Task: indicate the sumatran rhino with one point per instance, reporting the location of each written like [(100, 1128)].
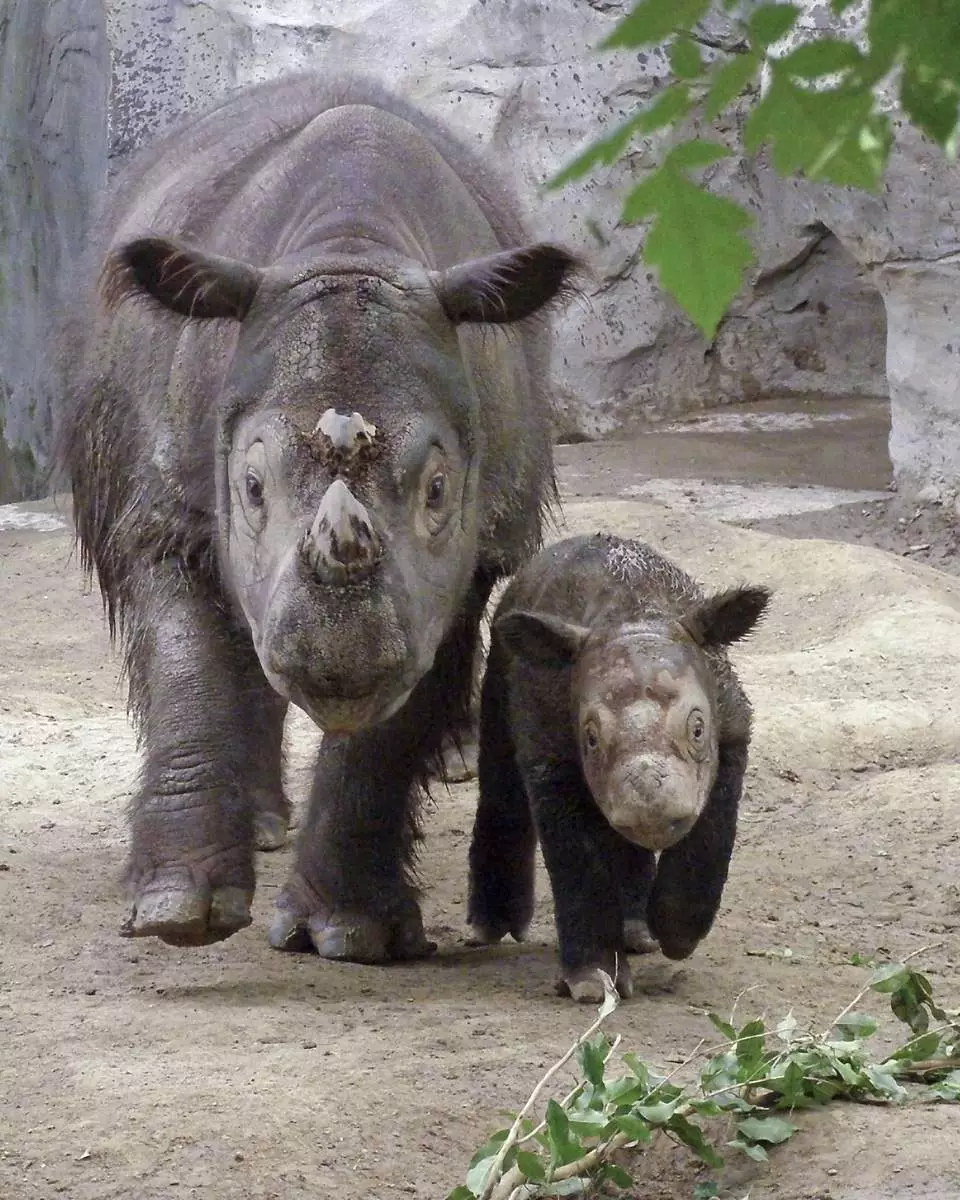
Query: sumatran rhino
[(613, 727), (301, 455)]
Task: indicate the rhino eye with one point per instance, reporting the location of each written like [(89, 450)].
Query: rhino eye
[(254, 488), (697, 733), (591, 737), (436, 490)]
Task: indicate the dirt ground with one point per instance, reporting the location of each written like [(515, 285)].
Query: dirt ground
[(132, 1069)]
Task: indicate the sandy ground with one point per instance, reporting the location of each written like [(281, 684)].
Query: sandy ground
[(131, 1069)]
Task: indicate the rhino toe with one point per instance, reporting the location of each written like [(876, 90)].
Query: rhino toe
[(183, 913)]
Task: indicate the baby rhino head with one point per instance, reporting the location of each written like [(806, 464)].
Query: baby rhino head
[(645, 707)]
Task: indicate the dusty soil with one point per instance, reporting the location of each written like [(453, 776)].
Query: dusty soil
[(131, 1069)]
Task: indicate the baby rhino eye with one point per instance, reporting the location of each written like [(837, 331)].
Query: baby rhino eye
[(591, 737)]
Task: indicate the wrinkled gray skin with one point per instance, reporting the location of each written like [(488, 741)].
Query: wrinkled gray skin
[(301, 455), (614, 729)]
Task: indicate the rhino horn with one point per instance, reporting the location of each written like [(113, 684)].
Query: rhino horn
[(341, 545)]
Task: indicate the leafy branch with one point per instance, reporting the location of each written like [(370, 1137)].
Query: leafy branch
[(820, 115), (743, 1084)]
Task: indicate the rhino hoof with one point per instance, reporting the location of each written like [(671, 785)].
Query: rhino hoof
[(189, 915), (270, 831), (586, 987), (349, 937), (637, 937)]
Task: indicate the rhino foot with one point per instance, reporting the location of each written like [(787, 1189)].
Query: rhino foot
[(349, 936), (584, 984), (637, 937), (175, 907), (480, 934)]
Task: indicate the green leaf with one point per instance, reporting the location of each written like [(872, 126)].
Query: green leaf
[(770, 22), (889, 977), (563, 1149), (750, 1149), (832, 135), (672, 103), (917, 1049), (591, 1063), (639, 1068), (695, 243), (477, 1175), (825, 56), (633, 1127), (461, 1193), (708, 1189), (854, 1025), (692, 1135), (689, 156), (722, 1026), (930, 102), (685, 60), (841, 6), (616, 1175), (658, 1114), (491, 1147), (751, 1045), (882, 1083), (766, 1129), (652, 21), (947, 1089), (530, 1166), (728, 82)]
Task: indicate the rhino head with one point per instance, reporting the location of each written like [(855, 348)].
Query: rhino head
[(350, 449)]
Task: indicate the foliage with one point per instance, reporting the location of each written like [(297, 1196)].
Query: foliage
[(747, 1087), (820, 115)]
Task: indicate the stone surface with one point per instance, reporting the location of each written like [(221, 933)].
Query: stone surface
[(53, 104)]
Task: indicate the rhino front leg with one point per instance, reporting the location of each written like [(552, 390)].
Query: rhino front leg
[(264, 709), (351, 894), (207, 737)]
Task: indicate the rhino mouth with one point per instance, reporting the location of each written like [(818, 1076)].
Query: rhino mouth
[(344, 715)]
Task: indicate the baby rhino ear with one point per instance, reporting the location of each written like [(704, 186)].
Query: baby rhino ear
[(726, 617), (541, 638)]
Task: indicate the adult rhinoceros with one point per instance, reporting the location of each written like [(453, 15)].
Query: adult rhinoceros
[(301, 455)]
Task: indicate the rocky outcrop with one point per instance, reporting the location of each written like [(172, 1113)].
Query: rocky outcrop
[(54, 67)]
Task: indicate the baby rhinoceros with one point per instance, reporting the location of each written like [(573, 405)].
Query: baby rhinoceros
[(614, 728)]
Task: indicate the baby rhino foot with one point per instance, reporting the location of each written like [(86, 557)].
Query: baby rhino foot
[(272, 820), (458, 764), (585, 985), (349, 936), (637, 936), (183, 910)]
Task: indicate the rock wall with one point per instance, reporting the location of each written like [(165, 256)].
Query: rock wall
[(54, 66)]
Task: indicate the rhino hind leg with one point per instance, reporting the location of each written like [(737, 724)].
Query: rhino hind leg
[(352, 894), (460, 750), (193, 680), (504, 841)]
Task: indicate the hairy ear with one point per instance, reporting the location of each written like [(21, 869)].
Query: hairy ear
[(506, 287), (726, 617), (541, 638), (183, 279)]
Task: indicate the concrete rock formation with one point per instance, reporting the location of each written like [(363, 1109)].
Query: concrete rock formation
[(835, 267), (54, 69)]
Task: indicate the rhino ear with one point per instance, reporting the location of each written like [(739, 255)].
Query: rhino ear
[(506, 287), (183, 279), (726, 617), (541, 638)]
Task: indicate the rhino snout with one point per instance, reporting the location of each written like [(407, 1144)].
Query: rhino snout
[(654, 805), (341, 545)]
